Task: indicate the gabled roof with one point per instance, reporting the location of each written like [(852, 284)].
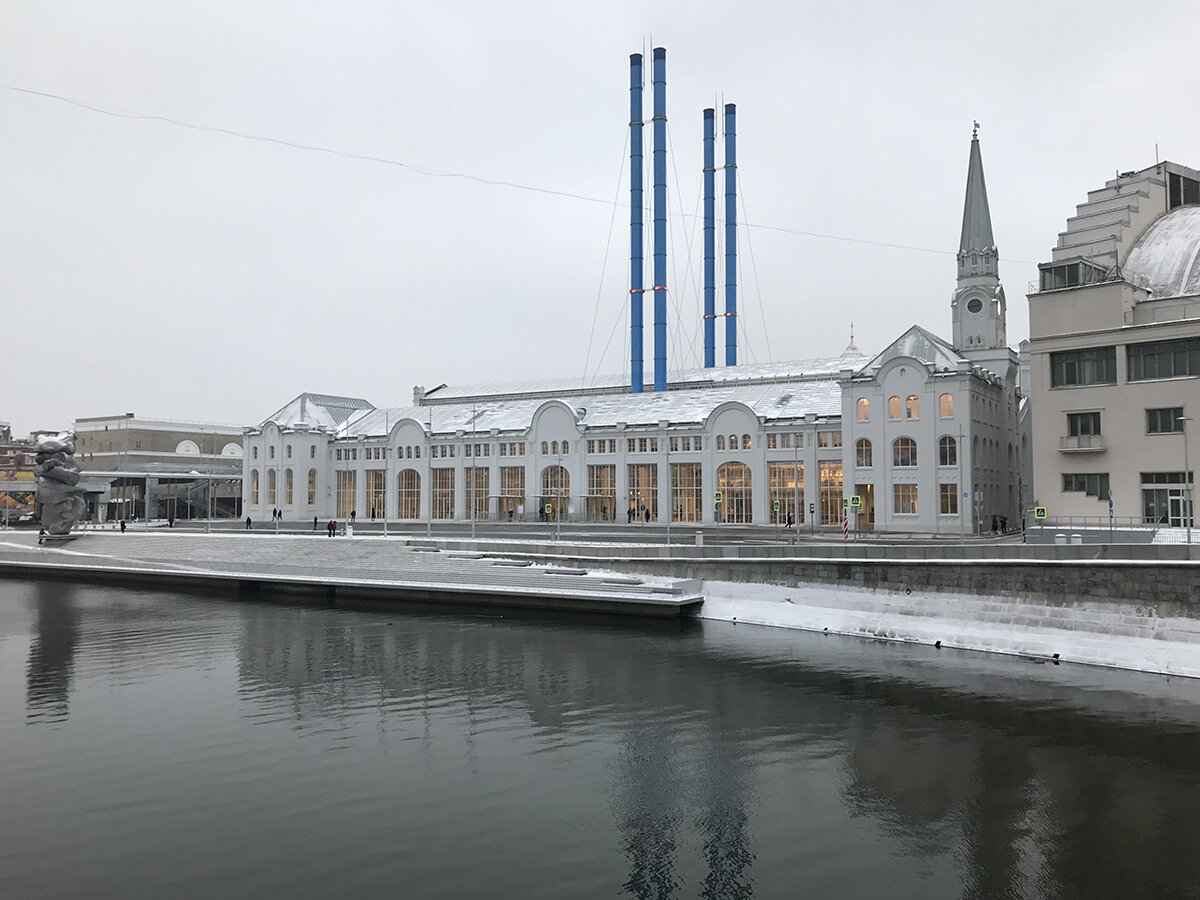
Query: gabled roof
[(977, 218), (921, 345), (318, 410)]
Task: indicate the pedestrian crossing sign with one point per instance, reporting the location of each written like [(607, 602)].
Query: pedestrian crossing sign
[(856, 501), (718, 497), (1039, 512), (776, 506)]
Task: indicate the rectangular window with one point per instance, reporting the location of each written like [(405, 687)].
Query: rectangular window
[(591, 446), (786, 483), (602, 492), (785, 441), (631, 445), (504, 448), (831, 492), (697, 443), (687, 496), (1083, 423), (904, 497), (1071, 368), (799, 440), (376, 490), (339, 455), (1164, 420), (512, 492), (312, 487), (477, 492), (1164, 359), (948, 495), (772, 441), (653, 445), (347, 485), (1093, 484), (443, 494), (643, 490), (673, 444)]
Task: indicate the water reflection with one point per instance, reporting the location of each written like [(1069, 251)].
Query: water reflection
[(51, 651)]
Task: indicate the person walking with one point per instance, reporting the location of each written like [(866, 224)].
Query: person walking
[(247, 523), (331, 528), (314, 523)]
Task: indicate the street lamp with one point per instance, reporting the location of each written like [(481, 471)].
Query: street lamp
[(1187, 487)]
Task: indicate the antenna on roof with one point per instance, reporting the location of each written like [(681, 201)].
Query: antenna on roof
[(1156, 153)]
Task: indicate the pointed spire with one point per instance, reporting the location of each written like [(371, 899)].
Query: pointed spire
[(977, 219)]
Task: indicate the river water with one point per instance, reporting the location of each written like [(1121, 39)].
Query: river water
[(165, 745)]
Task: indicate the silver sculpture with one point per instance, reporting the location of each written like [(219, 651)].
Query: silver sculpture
[(59, 495)]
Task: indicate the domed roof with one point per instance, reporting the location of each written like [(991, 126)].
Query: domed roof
[(1165, 258)]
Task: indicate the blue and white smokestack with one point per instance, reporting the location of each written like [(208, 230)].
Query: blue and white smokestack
[(710, 239), (636, 241), (660, 219), (730, 236)]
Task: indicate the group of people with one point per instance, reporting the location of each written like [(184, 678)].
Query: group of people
[(999, 524)]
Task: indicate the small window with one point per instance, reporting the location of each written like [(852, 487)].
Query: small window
[(733, 442), (312, 451), (417, 452), (772, 441), (289, 451), (554, 447), (893, 407), (566, 448), (862, 453), (864, 409), (545, 448), (947, 451), (271, 452), (745, 442), (1165, 420), (946, 406), (912, 407), (720, 442), (1085, 423)]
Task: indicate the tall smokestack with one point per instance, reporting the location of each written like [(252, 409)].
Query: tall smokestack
[(660, 219), (730, 236), (636, 242), (710, 239)]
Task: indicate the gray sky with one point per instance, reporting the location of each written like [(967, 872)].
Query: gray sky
[(172, 272)]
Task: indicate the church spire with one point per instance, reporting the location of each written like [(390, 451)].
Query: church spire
[(977, 218)]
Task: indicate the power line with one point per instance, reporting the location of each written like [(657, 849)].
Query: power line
[(438, 173)]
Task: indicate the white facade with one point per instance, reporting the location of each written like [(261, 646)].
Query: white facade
[(1115, 352)]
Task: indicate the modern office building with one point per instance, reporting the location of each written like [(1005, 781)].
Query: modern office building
[(1115, 352)]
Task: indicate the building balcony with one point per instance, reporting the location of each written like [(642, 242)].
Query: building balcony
[(1083, 443)]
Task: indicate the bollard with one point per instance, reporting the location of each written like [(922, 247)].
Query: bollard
[(699, 538)]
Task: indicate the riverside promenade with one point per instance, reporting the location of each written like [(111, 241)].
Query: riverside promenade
[(341, 571)]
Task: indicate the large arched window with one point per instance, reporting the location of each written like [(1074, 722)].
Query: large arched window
[(287, 487), (946, 406), (912, 407), (271, 487), (720, 442), (904, 452), (733, 481), (408, 494), (254, 486), (893, 407), (556, 493), (862, 453), (864, 409), (312, 487), (947, 451)]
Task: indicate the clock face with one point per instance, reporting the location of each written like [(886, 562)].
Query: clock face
[(974, 305)]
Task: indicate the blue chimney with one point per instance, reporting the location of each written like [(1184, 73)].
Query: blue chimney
[(710, 239), (730, 236), (636, 242), (660, 219)]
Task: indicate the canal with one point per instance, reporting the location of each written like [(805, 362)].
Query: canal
[(157, 744)]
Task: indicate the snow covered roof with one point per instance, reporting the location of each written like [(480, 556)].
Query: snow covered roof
[(1164, 259), (789, 400), (921, 345), (318, 410), (797, 370)]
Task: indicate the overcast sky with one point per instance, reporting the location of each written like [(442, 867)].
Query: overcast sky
[(183, 273)]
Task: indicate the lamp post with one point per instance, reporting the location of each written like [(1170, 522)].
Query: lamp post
[(795, 485), (1187, 487), (387, 455)]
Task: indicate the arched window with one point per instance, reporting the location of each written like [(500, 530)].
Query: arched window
[(271, 452), (289, 451), (864, 409), (187, 448), (408, 494), (408, 452), (312, 451), (312, 487), (733, 442), (947, 451), (566, 447), (720, 442), (904, 452), (417, 451), (554, 448), (545, 448), (912, 407), (893, 407), (287, 487), (271, 487), (254, 486), (745, 442), (253, 453), (946, 406), (862, 453), (733, 481)]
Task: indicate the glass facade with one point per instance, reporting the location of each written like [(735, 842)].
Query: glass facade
[(786, 481), (347, 485), (602, 493), (687, 492), (376, 493), (643, 491), (556, 493), (442, 494), (831, 492), (477, 492), (408, 494), (733, 481), (512, 492)]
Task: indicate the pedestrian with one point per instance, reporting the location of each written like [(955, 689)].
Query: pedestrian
[(995, 525), (790, 521), (629, 516), (247, 523), (314, 523), (122, 526), (372, 514), (510, 515), (1004, 524), (331, 527), (352, 514), (647, 517), (171, 521)]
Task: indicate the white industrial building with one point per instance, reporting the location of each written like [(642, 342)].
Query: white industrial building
[(923, 437)]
